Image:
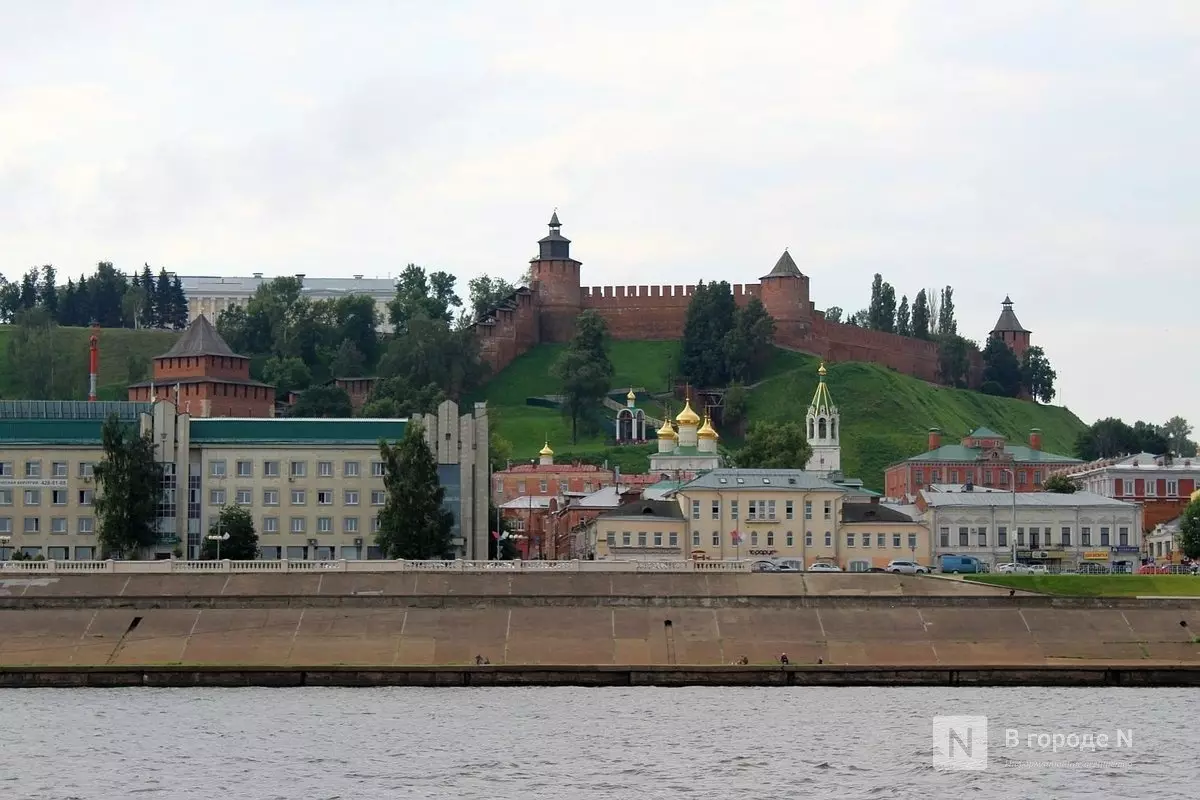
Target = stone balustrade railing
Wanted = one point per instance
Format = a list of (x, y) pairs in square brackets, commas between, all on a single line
[(174, 566)]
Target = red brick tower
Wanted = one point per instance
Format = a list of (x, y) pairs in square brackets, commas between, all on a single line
[(1010, 331), (784, 293), (556, 282)]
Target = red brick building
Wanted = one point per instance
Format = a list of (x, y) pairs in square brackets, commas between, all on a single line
[(545, 311), (205, 378), (982, 458)]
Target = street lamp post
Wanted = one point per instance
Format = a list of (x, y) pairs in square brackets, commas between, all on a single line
[(218, 538), (1012, 535)]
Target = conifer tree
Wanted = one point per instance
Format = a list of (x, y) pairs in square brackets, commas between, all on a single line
[(413, 523)]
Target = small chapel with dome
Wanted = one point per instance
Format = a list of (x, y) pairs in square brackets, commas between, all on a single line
[(689, 446)]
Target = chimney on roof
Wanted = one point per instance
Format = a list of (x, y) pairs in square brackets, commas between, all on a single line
[(935, 438), (1035, 439)]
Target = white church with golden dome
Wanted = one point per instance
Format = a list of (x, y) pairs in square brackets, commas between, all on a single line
[(688, 446)]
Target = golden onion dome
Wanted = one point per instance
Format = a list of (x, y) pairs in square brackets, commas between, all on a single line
[(707, 431), (666, 431), (546, 451), (821, 371), (631, 396), (687, 416)]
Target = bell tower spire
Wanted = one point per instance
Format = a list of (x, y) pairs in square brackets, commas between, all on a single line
[(824, 428)]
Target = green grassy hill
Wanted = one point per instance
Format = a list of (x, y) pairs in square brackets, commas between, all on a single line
[(117, 345), (885, 415)]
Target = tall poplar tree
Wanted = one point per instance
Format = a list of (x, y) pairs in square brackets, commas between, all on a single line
[(413, 524), (903, 318), (584, 369), (920, 316)]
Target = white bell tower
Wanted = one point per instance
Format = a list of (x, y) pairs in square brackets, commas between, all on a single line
[(824, 427)]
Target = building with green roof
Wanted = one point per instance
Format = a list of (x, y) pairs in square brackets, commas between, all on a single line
[(313, 486), (981, 458)]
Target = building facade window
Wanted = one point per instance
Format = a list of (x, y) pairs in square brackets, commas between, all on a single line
[(270, 524), (350, 470), (350, 497), (245, 469), (324, 469), (216, 497), (944, 537), (216, 469), (298, 524), (298, 469), (298, 497), (270, 469), (244, 497), (325, 497), (270, 497)]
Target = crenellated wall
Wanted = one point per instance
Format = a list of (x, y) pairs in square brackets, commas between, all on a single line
[(546, 312), (648, 312)]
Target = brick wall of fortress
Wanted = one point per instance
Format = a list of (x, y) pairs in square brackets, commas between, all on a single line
[(658, 313), (649, 312)]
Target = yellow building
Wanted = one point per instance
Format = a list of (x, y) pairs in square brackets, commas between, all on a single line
[(871, 535), (761, 513), (313, 486), (643, 530)]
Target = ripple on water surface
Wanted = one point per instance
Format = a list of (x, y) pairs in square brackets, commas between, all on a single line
[(624, 744)]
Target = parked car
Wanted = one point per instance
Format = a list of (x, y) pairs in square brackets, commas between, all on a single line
[(824, 566), (1038, 569), (1009, 568), (1090, 568), (763, 566), (907, 568), (952, 565)]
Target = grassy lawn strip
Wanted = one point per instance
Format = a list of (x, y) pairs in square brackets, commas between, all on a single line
[(1098, 585)]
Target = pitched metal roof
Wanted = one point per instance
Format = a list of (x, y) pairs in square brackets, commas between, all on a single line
[(1038, 499), (661, 509), (785, 267), (72, 409), (200, 339), (983, 432), (1008, 320), (789, 480), (1018, 453), (872, 512)]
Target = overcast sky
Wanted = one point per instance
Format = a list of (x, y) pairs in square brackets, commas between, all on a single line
[(1044, 150)]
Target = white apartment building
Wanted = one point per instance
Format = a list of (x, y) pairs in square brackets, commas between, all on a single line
[(1162, 486), (1060, 531), (210, 295)]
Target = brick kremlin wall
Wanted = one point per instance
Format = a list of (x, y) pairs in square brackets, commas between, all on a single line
[(649, 312)]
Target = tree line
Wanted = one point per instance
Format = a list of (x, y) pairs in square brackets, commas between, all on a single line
[(1112, 437), (299, 344), (413, 524), (107, 297)]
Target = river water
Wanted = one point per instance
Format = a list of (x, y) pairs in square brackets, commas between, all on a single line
[(624, 744)]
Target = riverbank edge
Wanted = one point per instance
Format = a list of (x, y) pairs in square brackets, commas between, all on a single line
[(247, 601), (216, 676)]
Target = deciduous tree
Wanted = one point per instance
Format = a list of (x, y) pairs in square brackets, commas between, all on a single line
[(1001, 370), (1037, 376), (1188, 538), (904, 318), (1178, 433), (584, 370), (413, 523), (324, 401), (242, 544), (776, 445), (1059, 484)]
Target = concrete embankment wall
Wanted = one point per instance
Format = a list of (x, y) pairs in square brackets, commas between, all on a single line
[(1130, 675), (866, 635), (617, 619)]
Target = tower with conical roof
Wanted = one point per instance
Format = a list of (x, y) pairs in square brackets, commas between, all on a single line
[(824, 428), (1010, 331), (204, 377), (784, 293), (555, 278)]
